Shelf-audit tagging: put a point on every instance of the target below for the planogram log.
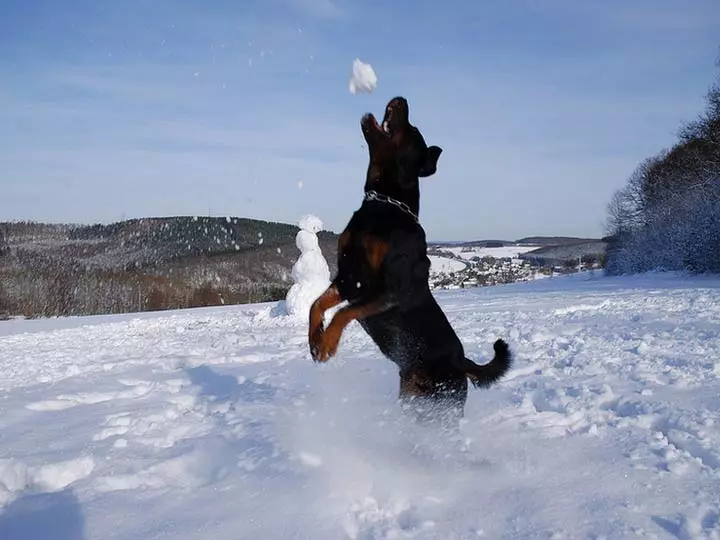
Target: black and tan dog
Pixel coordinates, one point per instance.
(383, 271)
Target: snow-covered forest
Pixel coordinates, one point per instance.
(667, 216)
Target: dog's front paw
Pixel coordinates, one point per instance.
(328, 347)
(325, 346)
(315, 340)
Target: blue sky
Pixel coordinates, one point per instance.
(112, 110)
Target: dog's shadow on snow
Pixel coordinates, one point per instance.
(253, 447)
(670, 526)
(43, 516)
(216, 386)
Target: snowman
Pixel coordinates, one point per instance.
(310, 273)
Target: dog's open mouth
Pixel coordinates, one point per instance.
(387, 121)
(394, 120)
(396, 116)
(370, 124)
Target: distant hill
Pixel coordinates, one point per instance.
(485, 243)
(542, 251)
(180, 261)
(556, 255)
(151, 263)
(530, 240)
(142, 243)
(555, 240)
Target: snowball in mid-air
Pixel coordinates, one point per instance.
(363, 78)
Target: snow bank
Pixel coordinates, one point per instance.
(444, 264)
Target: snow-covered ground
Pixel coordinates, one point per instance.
(510, 252)
(445, 265)
(215, 423)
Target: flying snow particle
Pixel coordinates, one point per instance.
(300, 184)
(362, 78)
(311, 460)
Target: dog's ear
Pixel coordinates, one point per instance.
(429, 165)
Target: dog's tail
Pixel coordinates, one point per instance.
(485, 375)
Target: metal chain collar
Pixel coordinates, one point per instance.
(375, 196)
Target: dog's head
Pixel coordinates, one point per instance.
(399, 156)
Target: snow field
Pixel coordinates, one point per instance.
(444, 264)
(511, 252)
(215, 423)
